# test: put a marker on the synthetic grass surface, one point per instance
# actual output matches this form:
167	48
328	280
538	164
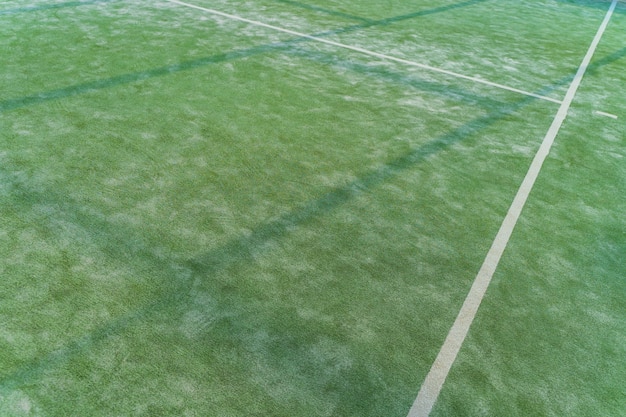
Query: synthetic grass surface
560	302
203	217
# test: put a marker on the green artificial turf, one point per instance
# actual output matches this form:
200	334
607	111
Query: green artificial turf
202	217
549	339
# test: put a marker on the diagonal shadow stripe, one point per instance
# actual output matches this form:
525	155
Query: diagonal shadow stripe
119	80
609	59
243	249
400	18
113	240
92	86
399	78
54	6
323	10
621	7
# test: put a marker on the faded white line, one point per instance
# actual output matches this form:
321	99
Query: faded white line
366	51
429	392
601	113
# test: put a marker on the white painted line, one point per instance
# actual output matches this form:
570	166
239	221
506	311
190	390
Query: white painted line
601	113
429	392
367	52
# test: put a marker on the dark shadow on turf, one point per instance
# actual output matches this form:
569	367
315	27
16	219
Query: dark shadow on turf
396	19
595	4
119	80
94	86
609	59
39	98
122	243
55	6
323	10
385	74
114	240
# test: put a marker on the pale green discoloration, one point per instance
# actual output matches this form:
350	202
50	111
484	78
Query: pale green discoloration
205	218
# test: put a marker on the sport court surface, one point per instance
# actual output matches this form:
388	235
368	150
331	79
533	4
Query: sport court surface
202	216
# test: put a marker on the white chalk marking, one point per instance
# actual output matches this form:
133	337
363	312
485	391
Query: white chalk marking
366	51
429	392
601	113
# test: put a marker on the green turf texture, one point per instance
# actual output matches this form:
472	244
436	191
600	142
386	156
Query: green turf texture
205	218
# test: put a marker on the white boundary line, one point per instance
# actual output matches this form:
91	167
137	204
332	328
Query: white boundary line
601	113
366	51
433	383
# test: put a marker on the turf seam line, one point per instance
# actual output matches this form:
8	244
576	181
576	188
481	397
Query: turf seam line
366	51
431	387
